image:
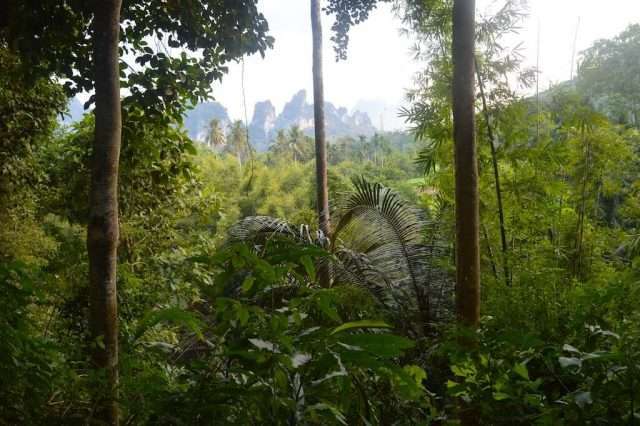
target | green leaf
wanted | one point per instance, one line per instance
(499, 396)
(360, 324)
(463, 370)
(362, 359)
(408, 381)
(265, 270)
(175, 315)
(308, 267)
(337, 414)
(324, 302)
(455, 389)
(416, 372)
(242, 314)
(247, 284)
(521, 370)
(383, 345)
(190, 149)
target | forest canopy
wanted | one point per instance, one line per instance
(479, 267)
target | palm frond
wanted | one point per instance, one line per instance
(376, 222)
(380, 243)
(258, 229)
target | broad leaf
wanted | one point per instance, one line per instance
(384, 345)
(360, 324)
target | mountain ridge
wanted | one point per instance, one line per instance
(266, 122)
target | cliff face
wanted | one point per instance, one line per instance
(265, 122)
(298, 112)
(262, 125)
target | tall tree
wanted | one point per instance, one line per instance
(102, 231)
(318, 115)
(496, 178)
(466, 164)
(295, 143)
(466, 177)
(608, 75)
(79, 42)
(215, 137)
(237, 142)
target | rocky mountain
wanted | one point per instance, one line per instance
(197, 120)
(298, 112)
(262, 125)
(266, 122)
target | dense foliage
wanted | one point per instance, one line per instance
(223, 319)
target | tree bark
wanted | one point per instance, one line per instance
(322, 186)
(318, 115)
(496, 177)
(466, 165)
(466, 179)
(102, 232)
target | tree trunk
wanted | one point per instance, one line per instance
(577, 263)
(321, 147)
(466, 165)
(102, 232)
(490, 253)
(496, 177)
(466, 171)
(318, 115)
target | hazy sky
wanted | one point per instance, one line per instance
(380, 67)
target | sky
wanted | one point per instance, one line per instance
(380, 66)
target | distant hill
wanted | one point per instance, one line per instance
(266, 122)
(384, 113)
(298, 112)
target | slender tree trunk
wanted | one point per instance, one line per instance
(466, 165)
(322, 185)
(466, 180)
(577, 267)
(318, 115)
(496, 177)
(102, 232)
(490, 253)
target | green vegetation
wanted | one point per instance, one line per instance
(234, 307)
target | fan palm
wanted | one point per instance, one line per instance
(380, 243)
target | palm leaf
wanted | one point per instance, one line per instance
(379, 243)
(376, 222)
(258, 229)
